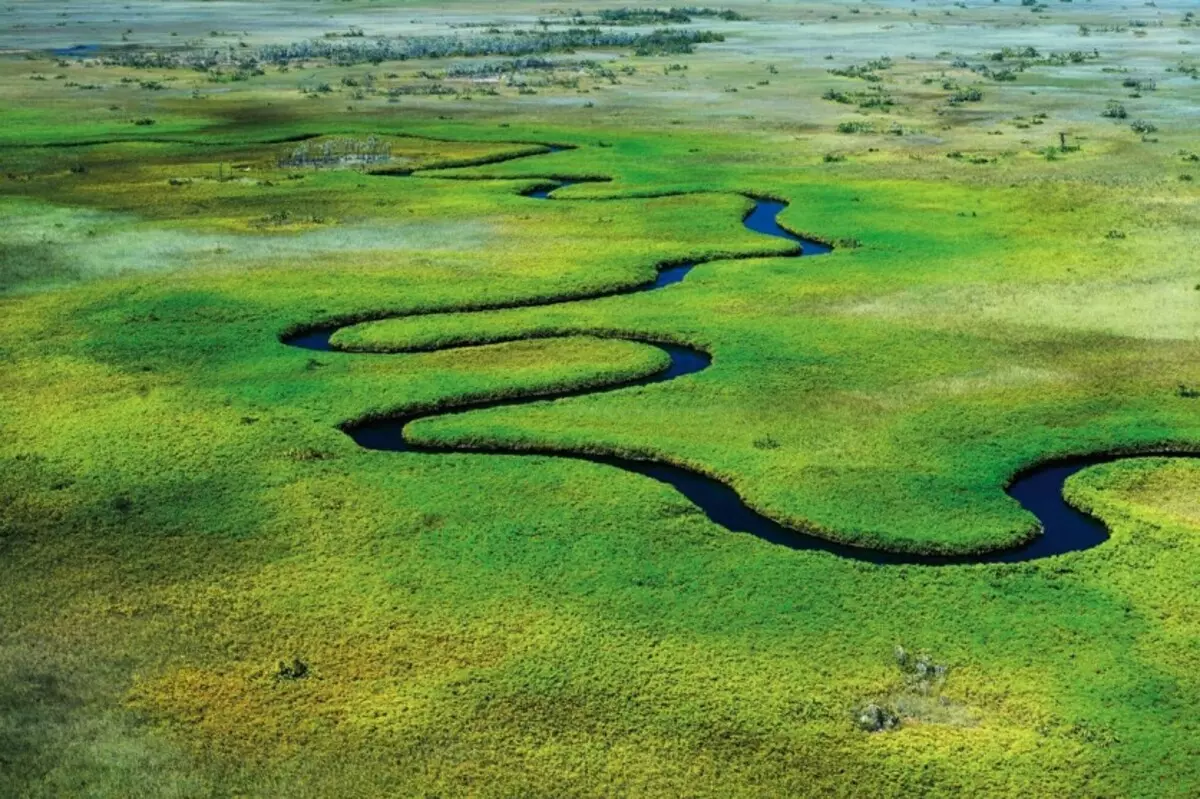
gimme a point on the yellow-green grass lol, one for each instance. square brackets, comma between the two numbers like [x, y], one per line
[179, 512]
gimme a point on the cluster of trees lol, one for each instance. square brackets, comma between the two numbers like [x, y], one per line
[873, 97]
[1115, 110]
[427, 90]
[196, 59]
[667, 42]
[868, 99]
[357, 50]
[658, 16]
[513, 67]
[868, 71]
[1018, 59]
[1140, 85]
[517, 43]
[969, 95]
[855, 127]
[983, 70]
[338, 152]
[488, 69]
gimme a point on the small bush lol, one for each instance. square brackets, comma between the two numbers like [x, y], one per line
[874, 718]
[296, 670]
[921, 674]
[285, 217]
[1114, 110]
[308, 454]
[966, 96]
[855, 127]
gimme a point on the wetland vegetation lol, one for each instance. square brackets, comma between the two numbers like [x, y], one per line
[211, 590]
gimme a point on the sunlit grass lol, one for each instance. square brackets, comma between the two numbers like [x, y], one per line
[180, 514]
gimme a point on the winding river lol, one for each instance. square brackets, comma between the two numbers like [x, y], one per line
[1038, 490]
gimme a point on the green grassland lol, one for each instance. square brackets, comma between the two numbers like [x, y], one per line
[181, 518]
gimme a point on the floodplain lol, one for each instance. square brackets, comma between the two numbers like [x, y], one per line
[525, 237]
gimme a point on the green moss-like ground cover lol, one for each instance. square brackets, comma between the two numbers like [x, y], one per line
[180, 513]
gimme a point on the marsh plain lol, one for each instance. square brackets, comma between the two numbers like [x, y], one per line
[504, 224]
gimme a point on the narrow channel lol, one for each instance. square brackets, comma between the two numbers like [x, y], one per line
[1038, 490]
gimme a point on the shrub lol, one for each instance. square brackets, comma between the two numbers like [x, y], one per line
[308, 454]
[1140, 84]
[855, 127]
[1143, 127]
[874, 718]
[867, 71]
[966, 96]
[1114, 110]
[296, 670]
[921, 674]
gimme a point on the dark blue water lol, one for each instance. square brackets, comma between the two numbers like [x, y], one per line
[543, 192]
[315, 339]
[77, 50]
[765, 219]
[1065, 529]
[1038, 490]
